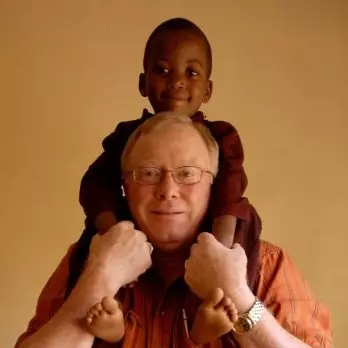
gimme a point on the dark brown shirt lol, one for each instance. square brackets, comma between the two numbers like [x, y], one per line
[101, 185]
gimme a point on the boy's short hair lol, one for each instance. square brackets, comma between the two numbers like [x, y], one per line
[164, 119]
[178, 24]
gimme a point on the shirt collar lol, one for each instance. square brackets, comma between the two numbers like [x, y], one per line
[197, 117]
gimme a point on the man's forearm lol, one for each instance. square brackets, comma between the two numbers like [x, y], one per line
[66, 329]
[267, 333]
[59, 332]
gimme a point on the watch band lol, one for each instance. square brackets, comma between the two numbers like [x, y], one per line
[256, 311]
[246, 321]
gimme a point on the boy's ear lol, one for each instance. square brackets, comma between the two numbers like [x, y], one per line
[208, 92]
[142, 85]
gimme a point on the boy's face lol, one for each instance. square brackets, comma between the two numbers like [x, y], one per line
[176, 76]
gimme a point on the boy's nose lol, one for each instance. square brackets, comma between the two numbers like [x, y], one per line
[177, 81]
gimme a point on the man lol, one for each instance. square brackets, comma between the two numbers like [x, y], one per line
[161, 305]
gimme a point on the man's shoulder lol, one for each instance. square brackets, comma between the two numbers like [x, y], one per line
[270, 252]
[267, 248]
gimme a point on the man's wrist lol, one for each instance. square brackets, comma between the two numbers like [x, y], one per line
[243, 298]
[93, 276]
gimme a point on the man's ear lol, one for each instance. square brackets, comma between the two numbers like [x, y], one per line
[142, 85]
[208, 92]
[124, 188]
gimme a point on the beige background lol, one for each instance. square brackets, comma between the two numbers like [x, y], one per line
[68, 72]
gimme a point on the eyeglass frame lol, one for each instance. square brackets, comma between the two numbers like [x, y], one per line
[172, 171]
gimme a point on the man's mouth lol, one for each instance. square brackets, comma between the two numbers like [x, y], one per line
[161, 212]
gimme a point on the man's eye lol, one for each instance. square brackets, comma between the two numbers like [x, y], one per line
[149, 173]
[185, 173]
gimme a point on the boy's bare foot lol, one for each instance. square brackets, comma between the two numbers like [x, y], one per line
[215, 317]
[105, 320]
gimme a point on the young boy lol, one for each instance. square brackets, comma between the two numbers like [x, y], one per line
[177, 67]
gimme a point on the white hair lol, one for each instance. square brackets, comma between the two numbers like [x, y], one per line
[165, 119]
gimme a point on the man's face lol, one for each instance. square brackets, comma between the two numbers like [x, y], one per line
[169, 213]
[176, 77]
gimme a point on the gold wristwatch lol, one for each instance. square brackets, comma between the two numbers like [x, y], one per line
[246, 321]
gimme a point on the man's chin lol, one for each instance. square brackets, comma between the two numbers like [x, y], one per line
[173, 244]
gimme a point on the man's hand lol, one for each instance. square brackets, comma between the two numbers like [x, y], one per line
[122, 255]
[212, 265]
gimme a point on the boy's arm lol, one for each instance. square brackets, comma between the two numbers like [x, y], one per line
[230, 183]
[97, 190]
[100, 190]
[231, 180]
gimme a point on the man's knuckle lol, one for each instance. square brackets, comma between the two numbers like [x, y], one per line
[204, 237]
[125, 224]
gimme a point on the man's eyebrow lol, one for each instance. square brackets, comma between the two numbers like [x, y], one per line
[190, 163]
[147, 163]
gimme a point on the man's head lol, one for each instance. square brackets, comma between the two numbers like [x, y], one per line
[177, 67]
[169, 163]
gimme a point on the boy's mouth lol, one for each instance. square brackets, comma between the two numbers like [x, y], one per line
[175, 96]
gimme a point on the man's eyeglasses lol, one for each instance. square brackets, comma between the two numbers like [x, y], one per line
[187, 175]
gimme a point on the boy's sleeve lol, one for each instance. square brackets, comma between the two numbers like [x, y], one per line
[231, 180]
[100, 188]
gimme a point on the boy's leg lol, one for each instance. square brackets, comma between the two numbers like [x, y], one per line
[224, 228]
[214, 318]
[105, 320]
[248, 236]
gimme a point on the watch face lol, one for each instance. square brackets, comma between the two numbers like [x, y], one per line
[243, 325]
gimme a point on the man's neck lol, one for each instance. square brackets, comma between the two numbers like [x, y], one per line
[170, 266]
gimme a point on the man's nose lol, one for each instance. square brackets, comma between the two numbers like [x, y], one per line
[177, 80]
[167, 188]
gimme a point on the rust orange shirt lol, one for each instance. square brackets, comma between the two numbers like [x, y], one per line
[156, 321]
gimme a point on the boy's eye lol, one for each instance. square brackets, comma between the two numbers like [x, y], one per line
[161, 70]
[192, 72]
